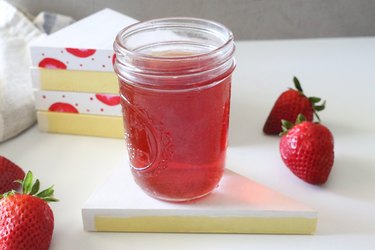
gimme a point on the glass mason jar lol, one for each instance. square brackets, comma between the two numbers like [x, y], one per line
[175, 81]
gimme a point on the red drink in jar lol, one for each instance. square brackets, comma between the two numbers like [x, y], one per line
[175, 79]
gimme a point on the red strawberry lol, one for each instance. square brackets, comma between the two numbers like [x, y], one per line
[287, 107]
[9, 173]
[26, 220]
[307, 150]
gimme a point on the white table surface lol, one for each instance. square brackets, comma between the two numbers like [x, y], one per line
[342, 71]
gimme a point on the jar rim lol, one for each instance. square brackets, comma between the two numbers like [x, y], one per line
[118, 44]
[174, 53]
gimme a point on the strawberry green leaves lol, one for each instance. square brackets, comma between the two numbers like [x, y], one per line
[313, 100]
[297, 84]
[27, 183]
[287, 125]
[316, 106]
[31, 187]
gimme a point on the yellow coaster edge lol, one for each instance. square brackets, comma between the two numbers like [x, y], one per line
[78, 124]
[207, 224]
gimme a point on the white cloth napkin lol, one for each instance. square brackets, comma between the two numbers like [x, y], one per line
[17, 108]
[16, 97]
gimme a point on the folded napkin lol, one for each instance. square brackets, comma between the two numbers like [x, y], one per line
[16, 96]
[17, 108]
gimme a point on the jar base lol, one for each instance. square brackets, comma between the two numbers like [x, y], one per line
[179, 200]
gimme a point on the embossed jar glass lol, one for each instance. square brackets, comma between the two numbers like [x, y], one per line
[175, 81]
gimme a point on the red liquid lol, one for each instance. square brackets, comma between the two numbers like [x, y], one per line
[177, 140]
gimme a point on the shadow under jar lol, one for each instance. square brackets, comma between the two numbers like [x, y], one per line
[175, 81]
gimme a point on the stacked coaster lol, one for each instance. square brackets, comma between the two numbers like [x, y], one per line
[72, 71]
[237, 205]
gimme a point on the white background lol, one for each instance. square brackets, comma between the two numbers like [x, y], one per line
[248, 19]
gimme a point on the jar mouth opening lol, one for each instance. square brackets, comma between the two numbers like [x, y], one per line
[220, 31]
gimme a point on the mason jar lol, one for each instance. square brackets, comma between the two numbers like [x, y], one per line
[175, 84]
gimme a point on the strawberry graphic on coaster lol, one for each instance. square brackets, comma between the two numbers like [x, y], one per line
[51, 63]
[108, 99]
[81, 52]
[62, 107]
